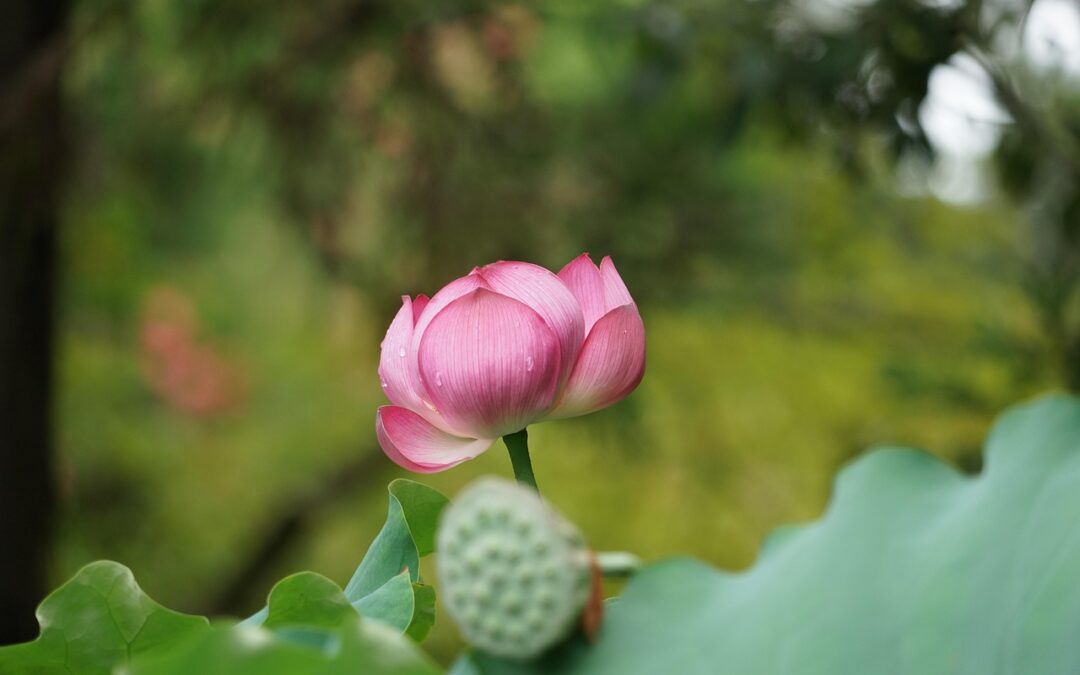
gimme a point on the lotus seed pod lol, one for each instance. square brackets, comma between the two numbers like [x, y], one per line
[515, 574]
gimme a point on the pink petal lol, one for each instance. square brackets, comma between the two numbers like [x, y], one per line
[610, 366]
[489, 363]
[582, 277]
[615, 291]
[450, 292]
[548, 296]
[447, 294]
[418, 306]
[414, 444]
[393, 359]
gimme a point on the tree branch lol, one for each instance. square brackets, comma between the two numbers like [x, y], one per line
[282, 534]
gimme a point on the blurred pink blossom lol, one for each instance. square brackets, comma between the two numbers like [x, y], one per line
[189, 376]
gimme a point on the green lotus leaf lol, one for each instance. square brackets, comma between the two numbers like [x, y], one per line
[96, 622]
[914, 568]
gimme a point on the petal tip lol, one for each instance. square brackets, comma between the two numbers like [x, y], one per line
[611, 364]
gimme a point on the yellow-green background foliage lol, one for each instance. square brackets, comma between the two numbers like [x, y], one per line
[284, 174]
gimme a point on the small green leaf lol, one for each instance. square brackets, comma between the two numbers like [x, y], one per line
[392, 603]
[384, 586]
[407, 536]
[422, 506]
[307, 599]
[423, 617]
[95, 622]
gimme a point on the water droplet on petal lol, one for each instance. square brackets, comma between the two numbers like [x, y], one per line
[438, 379]
[401, 352]
[528, 363]
[384, 384]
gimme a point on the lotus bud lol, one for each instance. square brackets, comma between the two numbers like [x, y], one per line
[508, 345]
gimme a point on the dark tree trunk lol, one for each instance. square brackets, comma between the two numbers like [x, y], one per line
[31, 154]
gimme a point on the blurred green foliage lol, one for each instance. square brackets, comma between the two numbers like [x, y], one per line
[256, 185]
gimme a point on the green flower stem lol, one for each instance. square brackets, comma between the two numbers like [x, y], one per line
[618, 564]
[517, 444]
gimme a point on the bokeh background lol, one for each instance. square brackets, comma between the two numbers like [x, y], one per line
[847, 223]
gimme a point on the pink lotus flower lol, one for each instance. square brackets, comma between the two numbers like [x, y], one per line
[508, 345]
